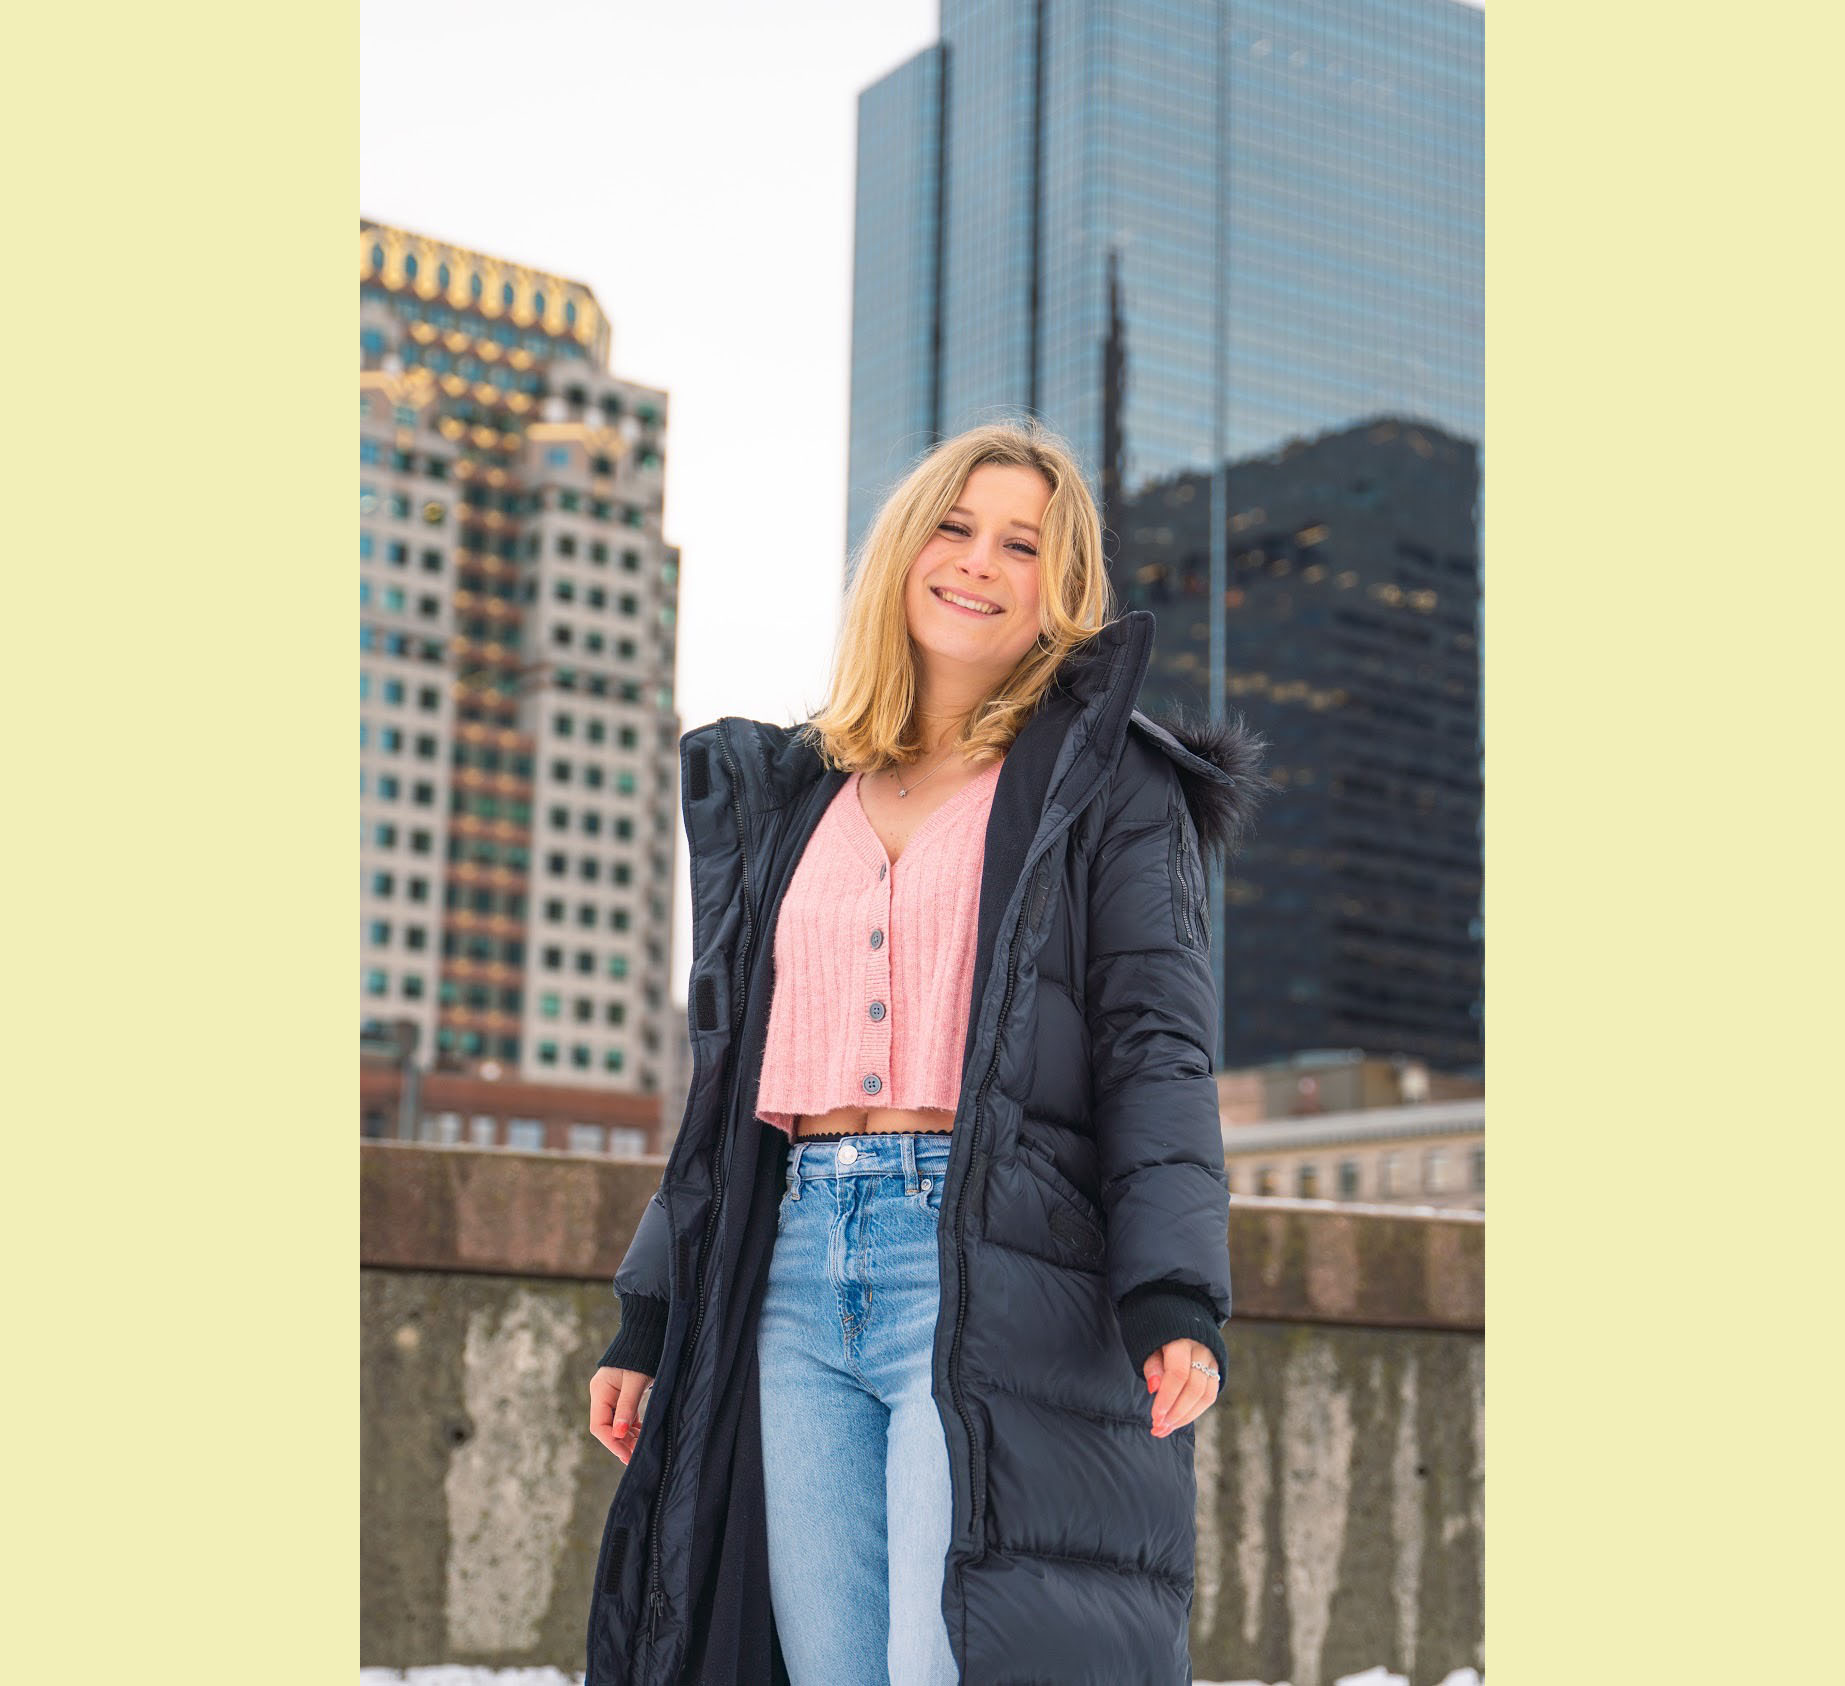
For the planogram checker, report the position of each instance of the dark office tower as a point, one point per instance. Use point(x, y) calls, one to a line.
point(1352, 640)
point(1184, 234)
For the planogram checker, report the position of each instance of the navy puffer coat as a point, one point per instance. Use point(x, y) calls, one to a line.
point(1083, 1221)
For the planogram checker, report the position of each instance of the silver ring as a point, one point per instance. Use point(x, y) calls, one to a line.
point(1207, 1370)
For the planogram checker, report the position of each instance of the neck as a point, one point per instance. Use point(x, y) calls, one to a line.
point(943, 704)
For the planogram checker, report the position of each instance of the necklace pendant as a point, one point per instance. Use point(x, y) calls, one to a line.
point(901, 791)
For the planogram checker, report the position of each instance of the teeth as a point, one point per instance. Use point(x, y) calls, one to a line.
point(966, 603)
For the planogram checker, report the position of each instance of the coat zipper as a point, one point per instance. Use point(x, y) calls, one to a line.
point(1028, 910)
point(656, 1595)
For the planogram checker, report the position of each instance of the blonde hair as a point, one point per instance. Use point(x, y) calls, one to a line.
point(869, 718)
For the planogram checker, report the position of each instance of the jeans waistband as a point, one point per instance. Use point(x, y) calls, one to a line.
point(878, 1153)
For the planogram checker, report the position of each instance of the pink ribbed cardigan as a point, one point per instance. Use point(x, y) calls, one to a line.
point(874, 962)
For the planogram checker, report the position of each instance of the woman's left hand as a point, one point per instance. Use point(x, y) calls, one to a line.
point(1181, 1394)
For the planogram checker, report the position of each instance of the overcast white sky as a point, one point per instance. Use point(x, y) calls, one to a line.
point(693, 164)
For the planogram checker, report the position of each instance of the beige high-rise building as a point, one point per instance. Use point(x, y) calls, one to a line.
point(519, 784)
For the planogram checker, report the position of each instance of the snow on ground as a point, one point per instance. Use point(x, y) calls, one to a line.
point(451, 1674)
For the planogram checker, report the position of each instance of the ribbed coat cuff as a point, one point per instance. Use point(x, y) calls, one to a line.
point(1158, 1313)
point(642, 1337)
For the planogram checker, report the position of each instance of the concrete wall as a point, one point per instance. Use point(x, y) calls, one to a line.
point(1340, 1474)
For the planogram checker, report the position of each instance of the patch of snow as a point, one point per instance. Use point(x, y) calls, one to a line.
point(457, 1674)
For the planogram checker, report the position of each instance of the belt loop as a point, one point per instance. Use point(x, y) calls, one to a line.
point(794, 1171)
point(907, 1141)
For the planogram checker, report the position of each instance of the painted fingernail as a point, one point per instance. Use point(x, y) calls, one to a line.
point(621, 1427)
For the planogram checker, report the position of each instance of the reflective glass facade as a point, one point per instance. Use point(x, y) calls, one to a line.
point(1275, 204)
point(896, 254)
point(1355, 231)
point(1197, 237)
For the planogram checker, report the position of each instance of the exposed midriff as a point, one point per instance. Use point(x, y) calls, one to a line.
point(859, 1120)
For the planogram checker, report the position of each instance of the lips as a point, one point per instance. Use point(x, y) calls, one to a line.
point(984, 614)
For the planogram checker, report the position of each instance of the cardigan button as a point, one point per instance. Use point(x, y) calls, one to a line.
point(873, 1083)
point(877, 939)
point(884, 869)
point(876, 1010)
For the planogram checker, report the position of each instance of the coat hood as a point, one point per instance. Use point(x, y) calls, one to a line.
point(1220, 771)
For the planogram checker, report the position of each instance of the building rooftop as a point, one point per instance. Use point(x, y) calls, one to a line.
point(1378, 1123)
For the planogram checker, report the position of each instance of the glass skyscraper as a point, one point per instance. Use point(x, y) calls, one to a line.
point(1198, 238)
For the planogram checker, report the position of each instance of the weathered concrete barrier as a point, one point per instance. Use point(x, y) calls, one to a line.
point(1340, 1475)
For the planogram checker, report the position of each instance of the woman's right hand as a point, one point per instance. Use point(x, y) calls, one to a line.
point(616, 1405)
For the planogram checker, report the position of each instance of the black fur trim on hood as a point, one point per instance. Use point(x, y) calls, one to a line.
point(1220, 772)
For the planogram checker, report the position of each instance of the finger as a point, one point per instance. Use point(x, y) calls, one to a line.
point(1210, 1386)
point(1207, 1396)
point(1178, 1413)
point(1174, 1359)
point(633, 1385)
point(1190, 1401)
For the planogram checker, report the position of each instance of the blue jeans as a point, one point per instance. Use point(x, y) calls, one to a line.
point(855, 1468)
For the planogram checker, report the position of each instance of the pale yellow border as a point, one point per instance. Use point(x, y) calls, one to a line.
point(1663, 611)
point(181, 816)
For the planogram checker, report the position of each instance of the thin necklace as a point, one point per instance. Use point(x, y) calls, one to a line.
point(904, 790)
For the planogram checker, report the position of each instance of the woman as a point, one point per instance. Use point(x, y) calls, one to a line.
point(929, 1296)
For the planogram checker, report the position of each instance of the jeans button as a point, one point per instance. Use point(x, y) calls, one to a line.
point(847, 1153)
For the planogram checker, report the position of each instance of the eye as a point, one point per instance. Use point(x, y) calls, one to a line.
point(959, 531)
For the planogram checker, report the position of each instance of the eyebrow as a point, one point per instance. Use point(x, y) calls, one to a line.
point(1015, 521)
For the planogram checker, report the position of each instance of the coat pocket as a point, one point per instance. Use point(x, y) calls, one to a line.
point(1075, 1220)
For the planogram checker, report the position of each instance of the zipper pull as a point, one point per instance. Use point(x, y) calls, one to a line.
point(656, 1600)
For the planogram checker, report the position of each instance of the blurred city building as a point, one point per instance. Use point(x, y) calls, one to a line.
point(1428, 1155)
point(400, 1102)
point(519, 734)
point(1317, 1081)
point(1232, 250)
point(1341, 1124)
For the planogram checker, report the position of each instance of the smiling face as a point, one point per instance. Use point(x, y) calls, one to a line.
point(985, 552)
